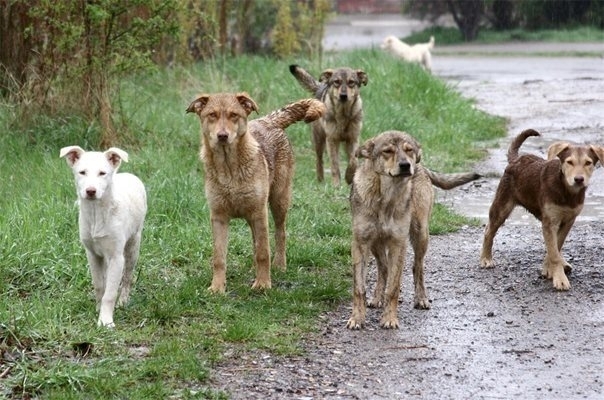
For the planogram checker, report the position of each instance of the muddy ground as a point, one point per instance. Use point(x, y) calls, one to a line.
point(501, 333)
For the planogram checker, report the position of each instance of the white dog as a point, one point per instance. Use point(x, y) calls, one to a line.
point(418, 53)
point(112, 213)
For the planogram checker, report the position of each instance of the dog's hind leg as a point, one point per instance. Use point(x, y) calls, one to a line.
point(500, 210)
point(131, 253)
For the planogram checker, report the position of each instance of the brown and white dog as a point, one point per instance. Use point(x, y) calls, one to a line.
point(340, 90)
point(553, 190)
point(249, 167)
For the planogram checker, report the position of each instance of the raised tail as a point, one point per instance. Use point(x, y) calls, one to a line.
point(305, 79)
point(450, 181)
point(431, 43)
point(306, 110)
point(517, 142)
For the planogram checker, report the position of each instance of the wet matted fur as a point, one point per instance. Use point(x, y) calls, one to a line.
point(340, 90)
point(391, 202)
point(553, 190)
point(248, 165)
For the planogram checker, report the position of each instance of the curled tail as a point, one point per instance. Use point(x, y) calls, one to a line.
point(517, 142)
point(306, 110)
point(450, 181)
point(307, 81)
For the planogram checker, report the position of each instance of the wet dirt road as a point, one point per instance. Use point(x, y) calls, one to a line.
point(490, 334)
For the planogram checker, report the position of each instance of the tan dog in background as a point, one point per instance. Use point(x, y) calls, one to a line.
point(391, 202)
point(418, 53)
point(340, 90)
point(249, 167)
point(553, 190)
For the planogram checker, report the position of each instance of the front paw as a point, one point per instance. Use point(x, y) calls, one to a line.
point(561, 282)
point(356, 321)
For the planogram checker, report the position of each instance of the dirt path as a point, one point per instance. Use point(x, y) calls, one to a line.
point(501, 333)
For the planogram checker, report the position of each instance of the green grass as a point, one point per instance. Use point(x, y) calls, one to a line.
point(173, 331)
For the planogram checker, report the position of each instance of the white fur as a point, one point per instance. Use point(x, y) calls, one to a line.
point(112, 213)
point(418, 53)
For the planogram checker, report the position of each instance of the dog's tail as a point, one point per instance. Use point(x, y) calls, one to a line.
point(306, 110)
point(431, 43)
point(305, 79)
point(450, 181)
point(517, 142)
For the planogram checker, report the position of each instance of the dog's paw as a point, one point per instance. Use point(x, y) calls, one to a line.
point(389, 323)
point(261, 284)
point(355, 324)
point(422, 303)
point(561, 282)
point(486, 262)
point(106, 323)
point(374, 303)
point(567, 268)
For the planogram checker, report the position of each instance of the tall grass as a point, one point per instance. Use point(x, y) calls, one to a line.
point(173, 331)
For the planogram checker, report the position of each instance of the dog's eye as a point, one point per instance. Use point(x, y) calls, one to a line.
point(337, 83)
point(351, 83)
point(570, 162)
point(233, 117)
point(102, 173)
point(83, 173)
point(388, 152)
point(212, 116)
point(588, 163)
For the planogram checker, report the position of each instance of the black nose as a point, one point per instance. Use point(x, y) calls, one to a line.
point(579, 179)
point(223, 136)
point(91, 192)
point(404, 166)
point(343, 96)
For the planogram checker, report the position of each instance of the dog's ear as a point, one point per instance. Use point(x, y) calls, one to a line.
point(418, 155)
point(326, 75)
point(555, 149)
point(599, 151)
point(198, 104)
point(73, 154)
point(115, 156)
point(246, 102)
point(365, 150)
point(362, 77)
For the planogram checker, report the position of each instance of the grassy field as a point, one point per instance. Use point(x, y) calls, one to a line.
point(173, 331)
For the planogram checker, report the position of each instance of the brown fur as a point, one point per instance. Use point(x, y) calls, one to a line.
point(391, 202)
point(247, 166)
point(340, 90)
point(553, 190)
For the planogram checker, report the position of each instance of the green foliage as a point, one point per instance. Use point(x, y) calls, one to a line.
point(174, 331)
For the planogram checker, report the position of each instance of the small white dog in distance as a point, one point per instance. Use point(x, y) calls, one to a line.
point(418, 53)
point(112, 213)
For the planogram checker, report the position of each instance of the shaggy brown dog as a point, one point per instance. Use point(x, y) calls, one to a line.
point(247, 166)
point(340, 90)
point(553, 190)
point(391, 201)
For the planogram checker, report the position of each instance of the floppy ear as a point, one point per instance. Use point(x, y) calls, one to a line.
point(556, 148)
point(73, 154)
point(599, 151)
point(365, 150)
point(326, 75)
point(115, 156)
point(418, 156)
point(198, 104)
point(362, 77)
point(246, 102)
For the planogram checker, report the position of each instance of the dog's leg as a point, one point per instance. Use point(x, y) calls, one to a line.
point(360, 260)
point(553, 266)
point(381, 259)
point(562, 233)
point(279, 201)
point(396, 263)
point(97, 272)
point(419, 241)
point(113, 278)
point(333, 147)
point(131, 253)
point(318, 139)
point(220, 234)
point(500, 210)
point(351, 148)
point(259, 226)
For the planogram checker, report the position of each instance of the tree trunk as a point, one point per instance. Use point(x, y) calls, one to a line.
point(467, 15)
